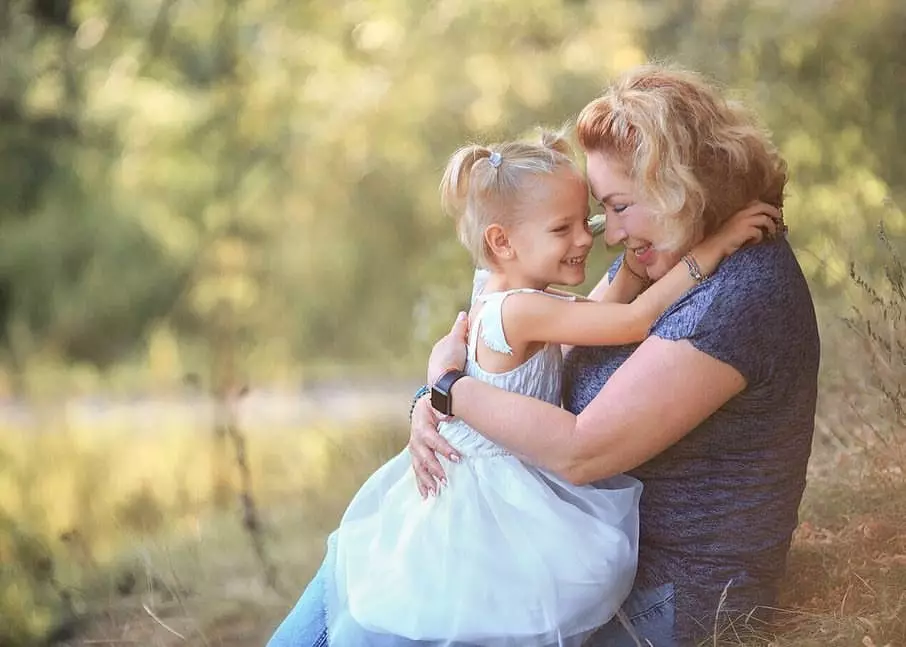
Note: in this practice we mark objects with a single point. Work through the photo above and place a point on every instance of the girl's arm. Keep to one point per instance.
(534, 318)
(626, 285)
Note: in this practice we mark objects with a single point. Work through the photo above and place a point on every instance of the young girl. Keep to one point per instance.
(508, 554)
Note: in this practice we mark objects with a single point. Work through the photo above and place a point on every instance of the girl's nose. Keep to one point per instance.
(584, 237)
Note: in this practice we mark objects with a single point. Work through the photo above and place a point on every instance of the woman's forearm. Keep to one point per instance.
(538, 432)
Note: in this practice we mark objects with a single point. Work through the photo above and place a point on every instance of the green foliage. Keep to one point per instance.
(264, 175)
(827, 79)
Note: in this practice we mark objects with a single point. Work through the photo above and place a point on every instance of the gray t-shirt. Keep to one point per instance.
(721, 504)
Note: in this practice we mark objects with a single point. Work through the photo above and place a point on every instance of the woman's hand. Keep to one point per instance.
(751, 225)
(424, 440)
(425, 443)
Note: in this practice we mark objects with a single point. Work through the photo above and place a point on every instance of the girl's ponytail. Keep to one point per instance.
(454, 187)
(556, 141)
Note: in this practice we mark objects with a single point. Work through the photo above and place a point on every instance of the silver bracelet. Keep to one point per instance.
(695, 271)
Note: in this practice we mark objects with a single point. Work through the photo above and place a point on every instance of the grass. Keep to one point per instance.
(160, 564)
(138, 543)
(193, 578)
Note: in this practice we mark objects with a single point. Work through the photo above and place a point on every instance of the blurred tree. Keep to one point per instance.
(82, 279)
(164, 162)
(828, 78)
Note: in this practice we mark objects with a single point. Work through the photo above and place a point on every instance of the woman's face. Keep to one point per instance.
(629, 222)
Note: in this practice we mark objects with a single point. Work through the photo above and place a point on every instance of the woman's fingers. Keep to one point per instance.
(460, 329)
(425, 443)
(424, 430)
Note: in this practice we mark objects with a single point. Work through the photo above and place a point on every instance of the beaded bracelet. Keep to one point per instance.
(422, 392)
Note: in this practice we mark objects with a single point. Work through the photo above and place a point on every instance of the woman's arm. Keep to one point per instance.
(666, 389)
(663, 391)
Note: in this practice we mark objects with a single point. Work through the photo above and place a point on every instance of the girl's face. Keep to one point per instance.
(551, 240)
(629, 223)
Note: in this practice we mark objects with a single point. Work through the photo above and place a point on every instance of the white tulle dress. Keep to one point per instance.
(505, 555)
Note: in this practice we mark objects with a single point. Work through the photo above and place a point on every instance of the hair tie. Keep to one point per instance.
(496, 159)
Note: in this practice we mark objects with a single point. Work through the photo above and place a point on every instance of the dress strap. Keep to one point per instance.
(479, 280)
(489, 323)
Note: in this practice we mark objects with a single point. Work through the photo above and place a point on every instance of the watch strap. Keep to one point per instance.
(440, 393)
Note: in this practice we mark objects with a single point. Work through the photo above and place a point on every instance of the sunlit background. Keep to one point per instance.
(223, 262)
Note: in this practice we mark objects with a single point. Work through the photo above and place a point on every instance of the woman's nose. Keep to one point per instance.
(614, 234)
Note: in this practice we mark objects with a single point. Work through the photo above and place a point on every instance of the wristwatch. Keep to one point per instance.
(440, 392)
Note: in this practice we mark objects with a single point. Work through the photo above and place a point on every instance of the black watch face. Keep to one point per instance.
(440, 401)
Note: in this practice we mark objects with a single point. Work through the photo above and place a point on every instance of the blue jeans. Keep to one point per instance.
(651, 613)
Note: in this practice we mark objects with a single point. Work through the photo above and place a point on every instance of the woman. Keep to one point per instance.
(714, 411)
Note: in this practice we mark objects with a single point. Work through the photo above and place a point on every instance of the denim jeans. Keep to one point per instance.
(650, 612)
(651, 615)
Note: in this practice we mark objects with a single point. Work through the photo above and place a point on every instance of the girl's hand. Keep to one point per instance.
(751, 225)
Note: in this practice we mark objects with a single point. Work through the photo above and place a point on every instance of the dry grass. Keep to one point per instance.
(138, 546)
(198, 583)
(847, 573)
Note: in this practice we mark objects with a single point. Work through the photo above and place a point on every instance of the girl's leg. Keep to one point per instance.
(306, 624)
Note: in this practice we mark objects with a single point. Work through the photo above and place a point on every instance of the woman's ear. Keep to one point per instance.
(495, 237)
